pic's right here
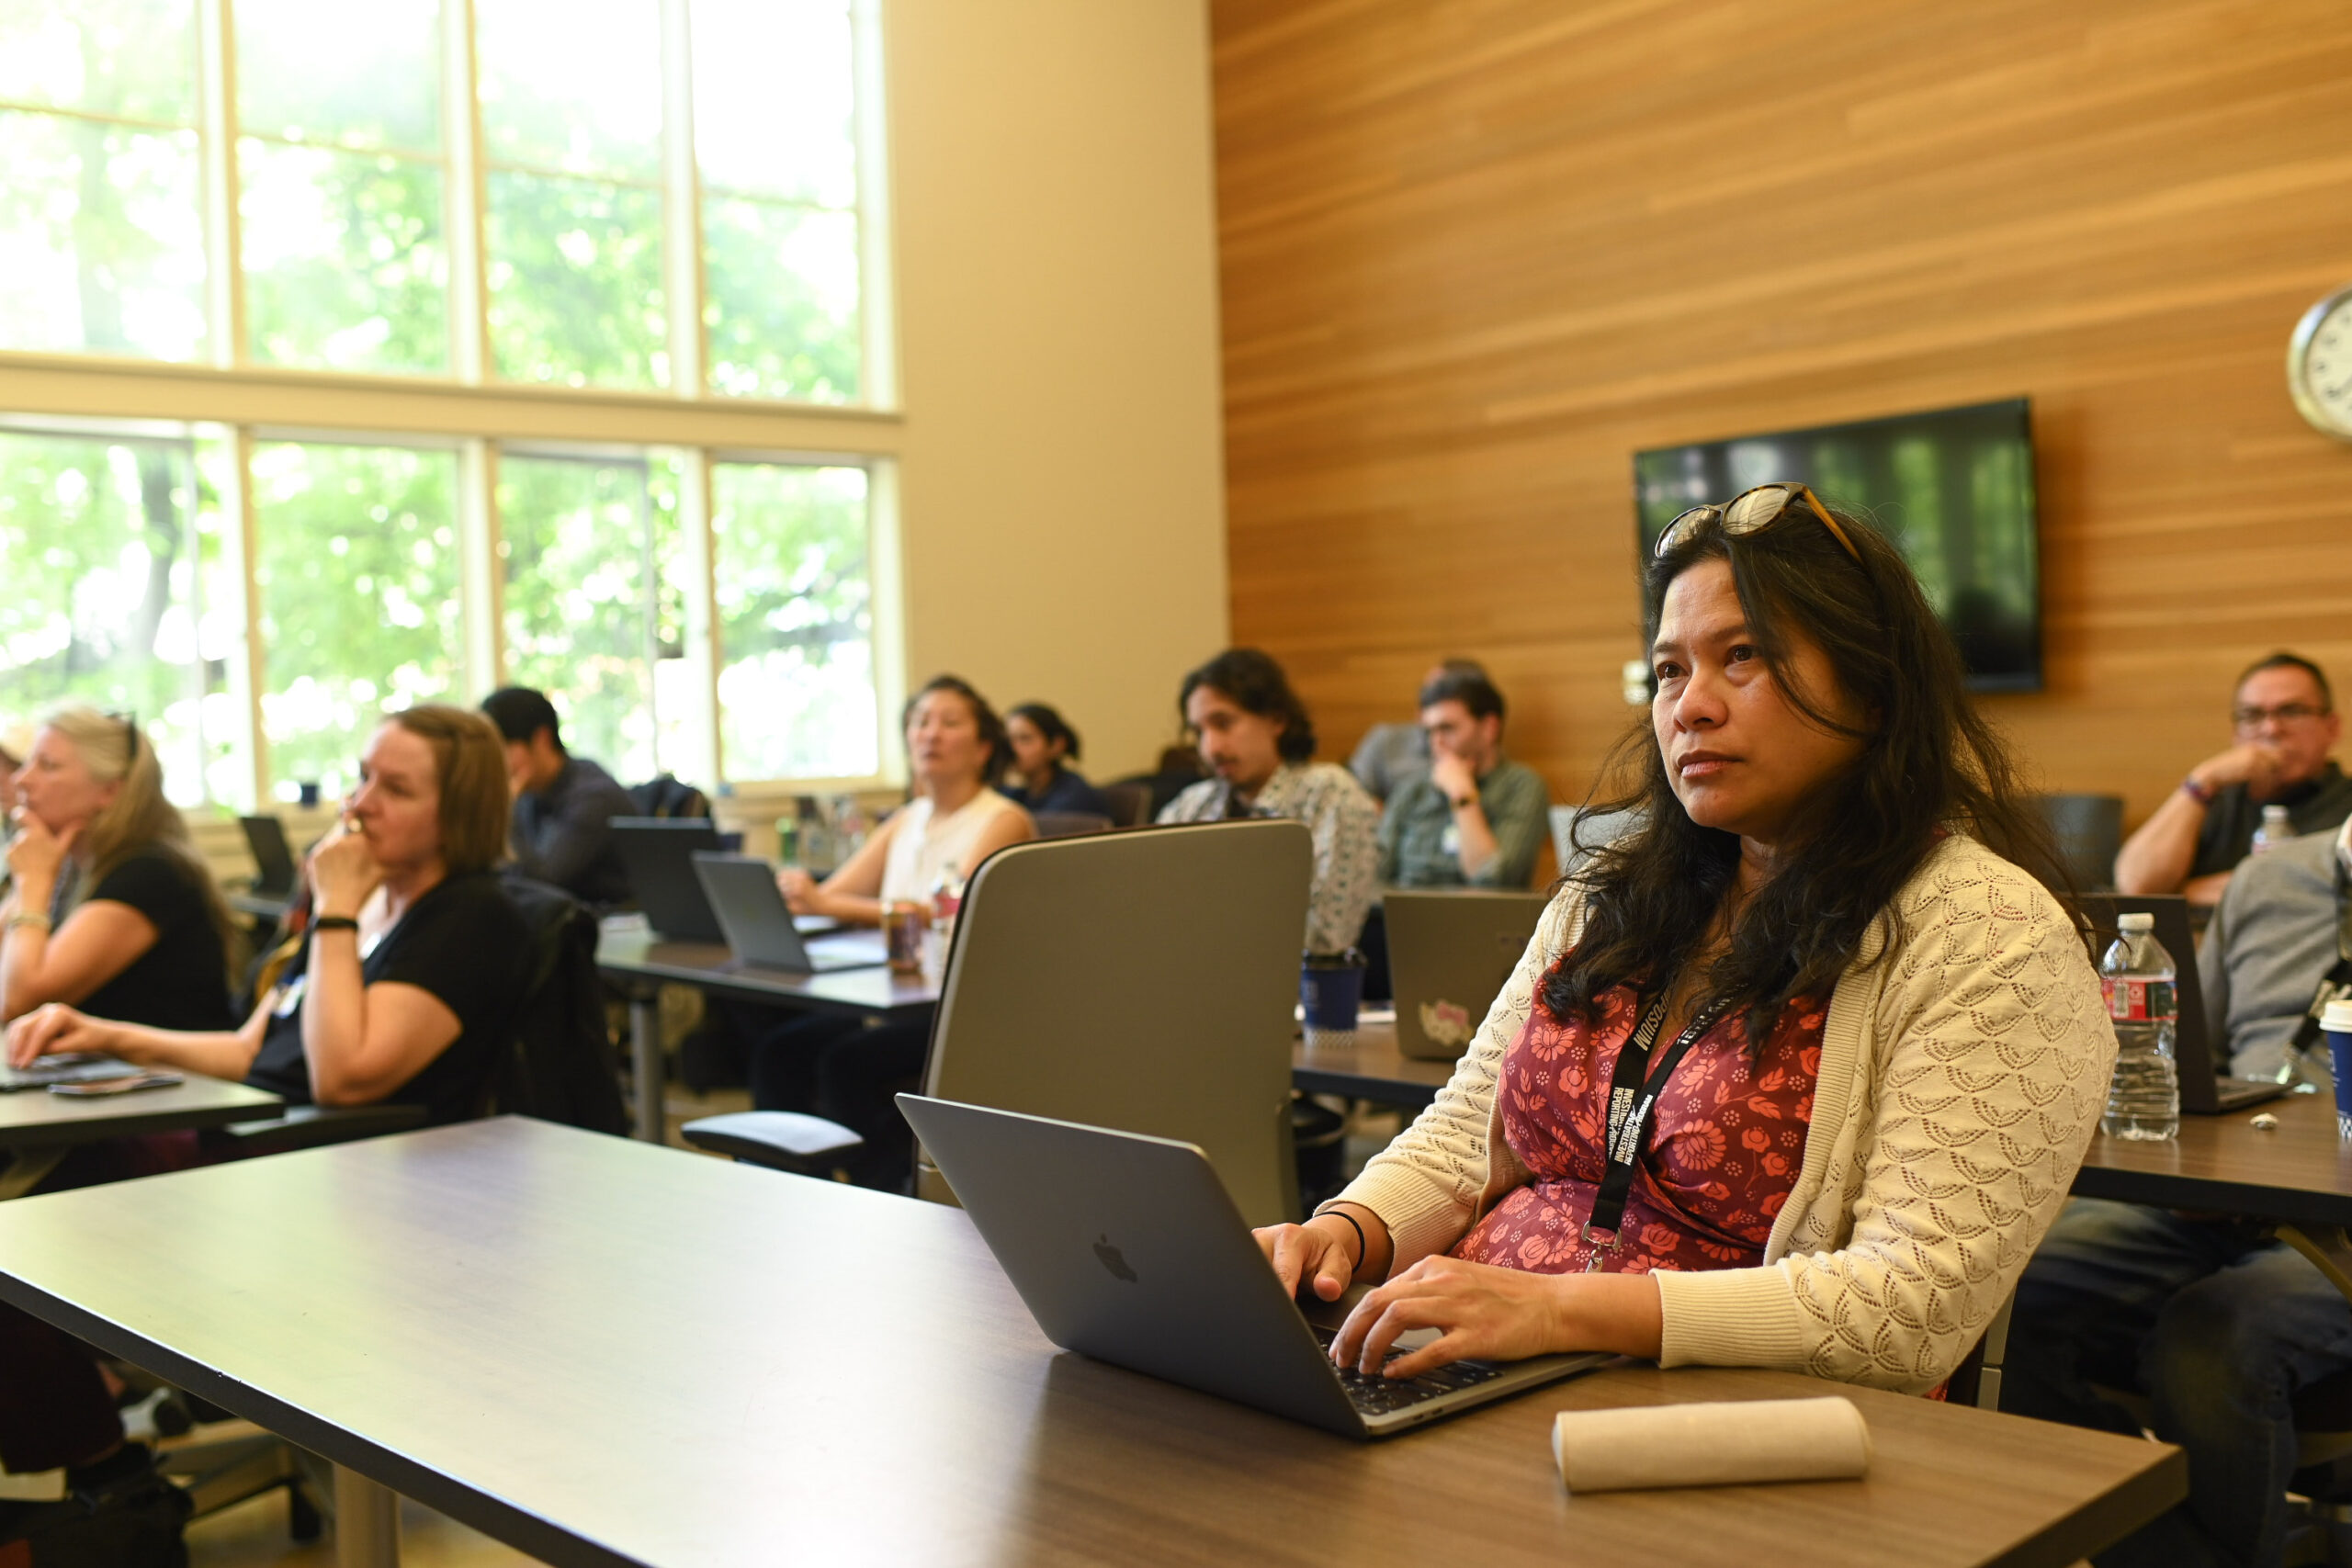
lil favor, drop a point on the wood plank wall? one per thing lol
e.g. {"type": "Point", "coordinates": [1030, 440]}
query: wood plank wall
{"type": "Point", "coordinates": [1475, 253]}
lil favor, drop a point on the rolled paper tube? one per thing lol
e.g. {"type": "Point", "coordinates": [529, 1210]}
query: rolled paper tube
{"type": "Point", "coordinates": [1711, 1445]}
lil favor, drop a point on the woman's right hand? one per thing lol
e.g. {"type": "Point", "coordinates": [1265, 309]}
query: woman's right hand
{"type": "Point", "coordinates": [56, 1030]}
{"type": "Point", "coordinates": [801, 893]}
{"type": "Point", "coordinates": [1323, 1250]}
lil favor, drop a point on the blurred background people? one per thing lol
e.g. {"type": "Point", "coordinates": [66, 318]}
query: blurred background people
{"type": "Point", "coordinates": [1259, 743]}
{"type": "Point", "coordinates": [1474, 817]}
{"type": "Point", "coordinates": [564, 805]}
{"type": "Point", "coordinates": [109, 907]}
{"type": "Point", "coordinates": [2284, 720]}
{"type": "Point", "coordinates": [1044, 745]}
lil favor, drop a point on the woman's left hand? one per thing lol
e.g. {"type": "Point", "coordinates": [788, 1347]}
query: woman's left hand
{"type": "Point", "coordinates": [344, 872]}
{"type": "Point", "coordinates": [1483, 1313]}
{"type": "Point", "coordinates": [35, 854]}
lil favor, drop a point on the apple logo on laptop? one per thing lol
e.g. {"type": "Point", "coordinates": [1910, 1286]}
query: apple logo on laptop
{"type": "Point", "coordinates": [1113, 1262]}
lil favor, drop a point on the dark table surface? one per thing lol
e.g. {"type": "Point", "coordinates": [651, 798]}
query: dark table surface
{"type": "Point", "coordinates": [603, 1352]}
{"type": "Point", "coordinates": [2299, 1172]}
{"type": "Point", "coordinates": [36, 1119]}
{"type": "Point", "coordinates": [1371, 1068]}
{"type": "Point", "coordinates": [638, 956]}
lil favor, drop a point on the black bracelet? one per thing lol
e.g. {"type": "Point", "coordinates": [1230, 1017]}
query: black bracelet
{"type": "Point", "coordinates": [335, 923]}
{"type": "Point", "coordinates": [1364, 1247]}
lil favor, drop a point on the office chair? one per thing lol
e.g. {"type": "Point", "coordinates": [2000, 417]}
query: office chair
{"type": "Point", "coordinates": [1142, 981]}
{"type": "Point", "coordinates": [2090, 832]}
{"type": "Point", "coordinates": [1069, 824]}
{"type": "Point", "coordinates": [1130, 803]}
{"type": "Point", "coordinates": [1578, 831]}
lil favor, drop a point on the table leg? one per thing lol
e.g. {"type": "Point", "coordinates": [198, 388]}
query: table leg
{"type": "Point", "coordinates": [366, 1522]}
{"type": "Point", "coordinates": [645, 1058]}
{"type": "Point", "coordinates": [22, 1174]}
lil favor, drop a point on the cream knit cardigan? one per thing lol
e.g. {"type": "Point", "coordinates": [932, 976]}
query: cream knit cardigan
{"type": "Point", "coordinates": [1962, 1075]}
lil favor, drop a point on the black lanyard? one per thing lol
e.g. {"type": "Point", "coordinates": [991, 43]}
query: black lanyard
{"type": "Point", "coordinates": [1633, 1096]}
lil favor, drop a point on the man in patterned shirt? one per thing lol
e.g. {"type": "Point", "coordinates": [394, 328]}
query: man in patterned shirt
{"type": "Point", "coordinates": [1257, 740]}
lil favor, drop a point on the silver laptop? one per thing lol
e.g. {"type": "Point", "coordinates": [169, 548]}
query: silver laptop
{"type": "Point", "coordinates": [1126, 1249]}
{"type": "Point", "coordinates": [2204, 1092]}
{"type": "Point", "coordinates": [759, 927]}
{"type": "Point", "coordinates": [1449, 953]}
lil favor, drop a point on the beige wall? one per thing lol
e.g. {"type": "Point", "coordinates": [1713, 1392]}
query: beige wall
{"type": "Point", "coordinates": [1062, 480]}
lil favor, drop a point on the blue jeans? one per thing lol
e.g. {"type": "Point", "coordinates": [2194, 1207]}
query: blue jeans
{"type": "Point", "coordinates": [2217, 1327]}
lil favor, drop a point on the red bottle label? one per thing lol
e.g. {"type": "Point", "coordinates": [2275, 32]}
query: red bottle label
{"type": "Point", "coordinates": [2139, 1002]}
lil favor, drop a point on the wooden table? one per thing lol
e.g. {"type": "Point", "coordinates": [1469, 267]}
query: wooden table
{"type": "Point", "coordinates": [37, 1127]}
{"type": "Point", "coordinates": [639, 963]}
{"type": "Point", "coordinates": [1370, 1069]}
{"type": "Point", "coordinates": [2300, 1173]}
{"type": "Point", "coordinates": [603, 1353]}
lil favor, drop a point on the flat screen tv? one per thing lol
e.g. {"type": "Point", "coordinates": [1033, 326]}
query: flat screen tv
{"type": "Point", "coordinates": [1953, 488]}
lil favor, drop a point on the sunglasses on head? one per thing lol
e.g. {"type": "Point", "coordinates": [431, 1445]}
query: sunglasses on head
{"type": "Point", "coordinates": [1748, 512]}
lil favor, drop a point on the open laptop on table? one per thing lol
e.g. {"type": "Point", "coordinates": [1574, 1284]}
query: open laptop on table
{"type": "Point", "coordinates": [1127, 1248]}
{"type": "Point", "coordinates": [1449, 953]}
{"type": "Point", "coordinates": [759, 926]}
{"type": "Point", "coordinates": [2203, 1091]}
{"type": "Point", "coordinates": [274, 868]}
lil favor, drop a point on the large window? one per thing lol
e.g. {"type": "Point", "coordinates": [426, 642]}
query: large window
{"type": "Point", "coordinates": [101, 226]}
{"type": "Point", "coordinates": [626, 194]}
{"type": "Point", "coordinates": [119, 596]}
{"type": "Point", "coordinates": [458, 343]}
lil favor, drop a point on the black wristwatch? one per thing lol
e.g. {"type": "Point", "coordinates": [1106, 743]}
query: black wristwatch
{"type": "Point", "coordinates": [1463, 804]}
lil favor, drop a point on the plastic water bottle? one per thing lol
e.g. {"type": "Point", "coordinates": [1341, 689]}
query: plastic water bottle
{"type": "Point", "coordinates": [2143, 1003]}
{"type": "Point", "coordinates": [2276, 829]}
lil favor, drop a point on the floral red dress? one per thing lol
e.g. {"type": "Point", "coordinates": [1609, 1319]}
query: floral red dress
{"type": "Point", "coordinates": [1726, 1142]}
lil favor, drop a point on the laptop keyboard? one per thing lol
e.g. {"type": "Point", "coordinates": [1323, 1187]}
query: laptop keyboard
{"type": "Point", "coordinates": [1377, 1395]}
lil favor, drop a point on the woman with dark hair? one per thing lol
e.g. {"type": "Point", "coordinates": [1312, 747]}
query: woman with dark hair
{"type": "Point", "coordinates": [1796, 1072]}
{"type": "Point", "coordinates": [1258, 741]}
{"type": "Point", "coordinates": [1044, 745]}
{"type": "Point", "coordinates": [110, 909]}
{"type": "Point", "coordinates": [844, 1068]}
{"type": "Point", "coordinates": [954, 746]}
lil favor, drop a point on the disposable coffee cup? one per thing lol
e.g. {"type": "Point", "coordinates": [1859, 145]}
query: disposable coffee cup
{"type": "Point", "coordinates": [2336, 1024]}
{"type": "Point", "coordinates": [1330, 989]}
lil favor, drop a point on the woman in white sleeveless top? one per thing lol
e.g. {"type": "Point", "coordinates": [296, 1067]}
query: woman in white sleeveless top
{"type": "Point", "coordinates": [843, 1069]}
{"type": "Point", "coordinates": [955, 821]}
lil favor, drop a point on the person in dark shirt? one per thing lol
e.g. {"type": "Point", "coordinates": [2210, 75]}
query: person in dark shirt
{"type": "Point", "coordinates": [403, 991]}
{"type": "Point", "coordinates": [405, 983]}
{"type": "Point", "coordinates": [564, 805]}
{"type": "Point", "coordinates": [2285, 722]}
{"type": "Point", "coordinates": [1044, 745]}
{"type": "Point", "coordinates": [110, 909]}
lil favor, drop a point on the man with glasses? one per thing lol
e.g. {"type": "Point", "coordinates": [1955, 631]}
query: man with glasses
{"type": "Point", "coordinates": [2286, 724]}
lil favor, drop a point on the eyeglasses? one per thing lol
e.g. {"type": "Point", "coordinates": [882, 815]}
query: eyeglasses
{"type": "Point", "coordinates": [130, 722]}
{"type": "Point", "coordinates": [1748, 512]}
{"type": "Point", "coordinates": [2285, 713]}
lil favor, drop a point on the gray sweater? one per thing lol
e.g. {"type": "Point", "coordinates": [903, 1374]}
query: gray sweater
{"type": "Point", "coordinates": [2272, 942]}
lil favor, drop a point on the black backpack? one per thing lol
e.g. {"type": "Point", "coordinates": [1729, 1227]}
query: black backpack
{"type": "Point", "coordinates": [668, 797]}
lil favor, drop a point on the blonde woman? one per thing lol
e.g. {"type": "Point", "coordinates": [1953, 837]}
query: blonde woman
{"type": "Point", "coordinates": [406, 983]}
{"type": "Point", "coordinates": [110, 909]}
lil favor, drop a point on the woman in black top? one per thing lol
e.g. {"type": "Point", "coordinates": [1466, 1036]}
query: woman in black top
{"type": "Point", "coordinates": [110, 909]}
{"type": "Point", "coordinates": [1042, 745]}
{"type": "Point", "coordinates": [407, 980]}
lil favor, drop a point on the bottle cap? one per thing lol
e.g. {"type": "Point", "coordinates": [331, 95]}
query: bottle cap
{"type": "Point", "coordinates": [2337, 1017]}
{"type": "Point", "coordinates": [2141, 921]}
